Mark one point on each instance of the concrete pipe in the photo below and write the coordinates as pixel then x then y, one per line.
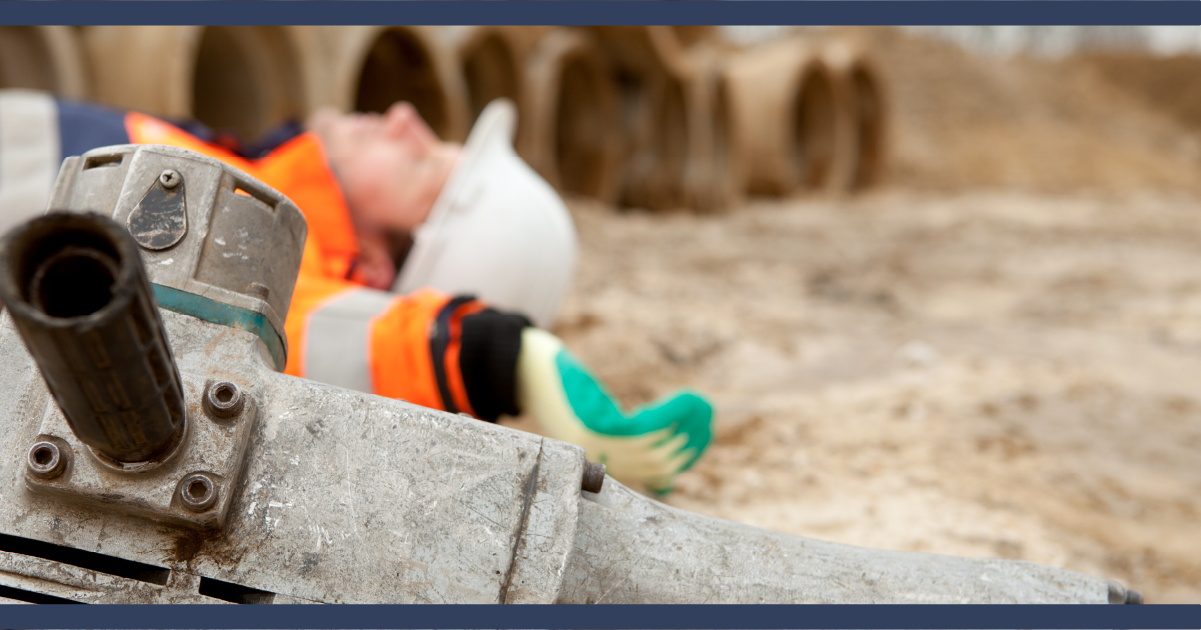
pixel 45 58
pixel 859 92
pixel 692 35
pixel 785 113
pixel 572 107
pixel 649 49
pixel 716 172
pixel 376 66
pixel 245 79
pixel 656 168
pixel 490 60
pixel 664 113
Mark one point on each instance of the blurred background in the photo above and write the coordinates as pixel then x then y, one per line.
pixel 943 283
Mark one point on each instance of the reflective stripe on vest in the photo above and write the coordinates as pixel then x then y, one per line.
pixel 337 347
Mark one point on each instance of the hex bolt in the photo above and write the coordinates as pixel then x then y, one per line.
pixel 169 178
pixel 197 492
pixel 45 460
pixel 223 399
pixel 260 291
pixel 594 477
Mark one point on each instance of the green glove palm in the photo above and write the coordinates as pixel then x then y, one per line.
pixel 647 447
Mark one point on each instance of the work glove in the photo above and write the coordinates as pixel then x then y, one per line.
pixel 645 448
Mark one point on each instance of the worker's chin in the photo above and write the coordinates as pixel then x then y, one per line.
pixel 381 279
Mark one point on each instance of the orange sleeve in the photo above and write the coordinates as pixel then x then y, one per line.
pixel 401 362
pixel 414 344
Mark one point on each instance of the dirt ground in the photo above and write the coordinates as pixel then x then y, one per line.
pixel 996 354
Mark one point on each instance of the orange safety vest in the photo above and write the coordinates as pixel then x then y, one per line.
pixel 340 332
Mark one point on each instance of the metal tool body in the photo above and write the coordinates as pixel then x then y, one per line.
pixel 340 496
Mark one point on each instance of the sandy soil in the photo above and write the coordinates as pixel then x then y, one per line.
pixel 998 354
pixel 984 374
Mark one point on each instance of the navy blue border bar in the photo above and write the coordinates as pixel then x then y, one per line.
pixel 895 12
pixel 604 616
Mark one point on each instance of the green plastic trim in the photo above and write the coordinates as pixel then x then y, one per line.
pixel 211 310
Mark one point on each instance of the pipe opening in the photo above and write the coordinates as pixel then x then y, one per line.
pixel 654 111
pixel 813 128
pixel 582 129
pixel 75 282
pixel 67 273
pixel 869 117
pixel 398 67
pixel 721 129
pixel 671 137
pixel 255 63
pixel 490 71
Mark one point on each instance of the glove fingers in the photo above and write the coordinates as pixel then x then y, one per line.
pixel 687 413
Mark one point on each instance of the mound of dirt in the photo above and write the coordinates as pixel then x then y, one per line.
pixel 963 120
pixel 1168 84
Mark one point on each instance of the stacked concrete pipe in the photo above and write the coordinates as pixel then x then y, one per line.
pixel 372 67
pixel 47 58
pixel 716 171
pixel 860 94
pixel 241 78
pixel 491 60
pixel 488 59
pixel 653 71
pixel 786 114
pixel 571 105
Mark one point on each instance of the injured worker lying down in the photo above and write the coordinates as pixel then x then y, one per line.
pixel 430 274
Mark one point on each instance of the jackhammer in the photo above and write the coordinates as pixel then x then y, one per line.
pixel 154 452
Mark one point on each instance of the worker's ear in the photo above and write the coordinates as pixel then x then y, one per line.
pixel 375 266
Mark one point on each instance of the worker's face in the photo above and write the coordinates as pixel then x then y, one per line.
pixel 391 166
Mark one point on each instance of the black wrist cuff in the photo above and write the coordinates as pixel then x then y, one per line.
pixel 490 343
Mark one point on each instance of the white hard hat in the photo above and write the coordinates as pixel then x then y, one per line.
pixel 497 231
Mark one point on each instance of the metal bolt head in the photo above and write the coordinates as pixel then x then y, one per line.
pixel 169 178
pixel 1119 594
pixel 45 460
pixel 594 477
pixel 224 399
pixel 197 492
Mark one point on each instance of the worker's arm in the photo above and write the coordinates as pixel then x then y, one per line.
pixel 455 354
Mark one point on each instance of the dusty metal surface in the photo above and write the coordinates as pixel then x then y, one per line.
pixel 349 497
pixel 346 497
pixel 235 231
pixel 211 446
pixel 631 550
